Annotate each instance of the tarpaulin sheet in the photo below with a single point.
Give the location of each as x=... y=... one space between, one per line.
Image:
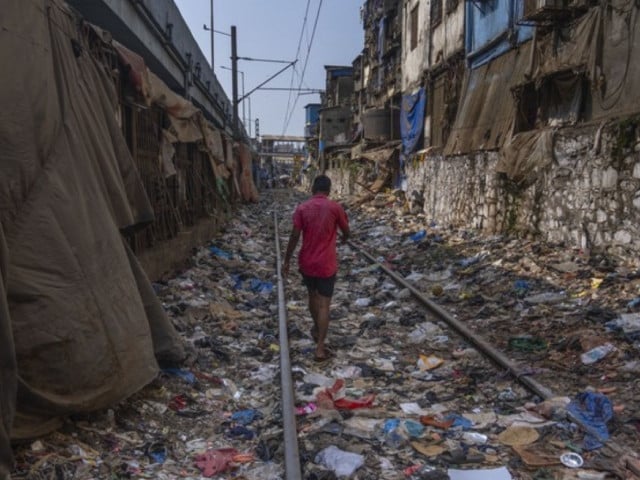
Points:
x=215 y=151
x=184 y=116
x=486 y=113
x=76 y=306
x=137 y=71
x=248 y=189
x=412 y=120
x=525 y=155
x=605 y=42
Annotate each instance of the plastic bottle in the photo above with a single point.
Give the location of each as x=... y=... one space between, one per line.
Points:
x=474 y=438
x=596 y=354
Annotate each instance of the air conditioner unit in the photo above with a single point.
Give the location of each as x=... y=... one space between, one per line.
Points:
x=545 y=11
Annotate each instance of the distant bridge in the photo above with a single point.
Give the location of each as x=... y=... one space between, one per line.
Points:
x=282 y=146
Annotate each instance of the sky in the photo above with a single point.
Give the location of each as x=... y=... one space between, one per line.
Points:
x=273 y=29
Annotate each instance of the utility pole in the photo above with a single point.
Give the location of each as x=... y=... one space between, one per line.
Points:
x=249 y=117
x=244 y=118
x=234 y=79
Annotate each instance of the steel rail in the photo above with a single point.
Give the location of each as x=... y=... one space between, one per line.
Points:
x=463 y=330
x=484 y=347
x=291 y=453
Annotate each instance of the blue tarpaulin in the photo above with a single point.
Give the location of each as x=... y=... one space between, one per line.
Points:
x=412 y=120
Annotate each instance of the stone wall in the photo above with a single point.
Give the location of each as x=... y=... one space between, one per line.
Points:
x=588 y=198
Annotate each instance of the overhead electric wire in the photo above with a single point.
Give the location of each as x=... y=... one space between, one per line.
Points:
x=304 y=68
x=293 y=72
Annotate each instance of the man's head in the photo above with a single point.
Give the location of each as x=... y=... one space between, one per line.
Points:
x=321 y=184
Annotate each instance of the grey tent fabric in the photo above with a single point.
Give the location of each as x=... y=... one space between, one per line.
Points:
x=76 y=305
x=8 y=368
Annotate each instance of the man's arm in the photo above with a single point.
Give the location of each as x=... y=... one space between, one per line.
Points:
x=343 y=224
x=291 y=247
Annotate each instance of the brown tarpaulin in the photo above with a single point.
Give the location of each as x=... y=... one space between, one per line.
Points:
x=525 y=155
x=78 y=308
x=606 y=43
x=487 y=109
x=248 y=189
x=188 y=124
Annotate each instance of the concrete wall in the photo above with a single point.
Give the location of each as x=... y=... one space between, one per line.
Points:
x=448 y=37
x=173 y=254
x=415 y=61
x=589 y=198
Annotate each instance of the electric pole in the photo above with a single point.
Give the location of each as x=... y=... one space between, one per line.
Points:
x=234 y=79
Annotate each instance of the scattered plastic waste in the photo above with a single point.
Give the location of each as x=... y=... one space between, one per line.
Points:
x=594 y=410
x=246 y=417
x=521 y=287
x=571 y=460
x=306 y=409
x=429 y=363
x=418 y=236
x=213 y=462
x=362 y=302
x=474 y=438
x=342 y=463
x=391 y=434
x=596 y=354
x=220 y=253
x=183 y=374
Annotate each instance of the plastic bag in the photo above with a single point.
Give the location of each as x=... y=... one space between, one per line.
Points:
x=342 y=463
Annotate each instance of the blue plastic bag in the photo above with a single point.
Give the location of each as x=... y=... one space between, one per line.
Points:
x=594 y=410
x=416 y=237
x=220 y=253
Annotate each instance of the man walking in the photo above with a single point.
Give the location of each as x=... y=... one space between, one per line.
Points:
x=318 y=220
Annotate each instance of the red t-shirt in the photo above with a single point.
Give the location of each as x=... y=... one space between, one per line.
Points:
x=318 y=219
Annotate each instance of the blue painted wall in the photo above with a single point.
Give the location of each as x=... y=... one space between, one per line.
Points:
x=489 y=27
x=312 y=113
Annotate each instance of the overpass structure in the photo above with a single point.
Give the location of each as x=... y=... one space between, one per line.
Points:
x=156 y=30
x=282 y=146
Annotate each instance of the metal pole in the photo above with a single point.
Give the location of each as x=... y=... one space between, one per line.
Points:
x=212 y=35
x=244 y=118
x=249 y=117
x=234 y=79
x=291 y=453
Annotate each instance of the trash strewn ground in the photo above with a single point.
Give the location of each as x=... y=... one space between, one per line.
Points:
x=404 y=397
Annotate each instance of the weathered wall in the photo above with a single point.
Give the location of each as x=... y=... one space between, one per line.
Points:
x=589 y=198
x=457 y=190
x=448 y=37
x=173 y=254
x=414 y=61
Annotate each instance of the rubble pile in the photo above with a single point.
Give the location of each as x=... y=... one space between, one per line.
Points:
x=404 y=397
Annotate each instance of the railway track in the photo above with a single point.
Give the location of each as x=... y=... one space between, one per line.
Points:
x=498 y=385
x=426 y=381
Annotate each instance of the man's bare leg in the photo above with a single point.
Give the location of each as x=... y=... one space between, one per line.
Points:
x=322 y=322
x=314 y=301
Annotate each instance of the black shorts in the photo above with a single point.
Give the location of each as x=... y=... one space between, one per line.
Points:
x=324 y=286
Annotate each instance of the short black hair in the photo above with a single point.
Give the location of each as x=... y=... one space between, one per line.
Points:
x=322 y=183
